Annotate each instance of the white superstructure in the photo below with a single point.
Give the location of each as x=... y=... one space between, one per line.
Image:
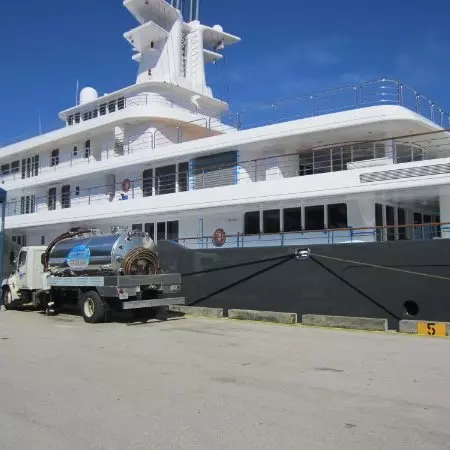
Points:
x=166 y=156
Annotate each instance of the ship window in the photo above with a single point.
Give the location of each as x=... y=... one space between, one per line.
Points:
x=121 y=103
x=305 y=164
x=215 y=170
x=30 y=166
x=77 y=191
x=390 y=222
x=147 y=183
x=337 y=215
x=65 y=196
x=51 y=201
x=87 y=149
x=150 y=229
x=103 y=109
x=87 y=115
x=172 y=231
x=95 y=113
x=27 y=204
x=75 y=151
x=112 y=106
x=15 y=167
x=161 y=231
x=379 y=220
x=315 y=217
x=77 y=118
x=271 y=221
x=5 y=169
x=401 y=220
x=292 y=219
x=252 y=223
x=137 y=226
x=55 y=158
x=183 y=177
x=165 y=180
x=42 y=240
x=70 y=120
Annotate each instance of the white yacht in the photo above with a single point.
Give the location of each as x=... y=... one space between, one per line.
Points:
x=164 y=155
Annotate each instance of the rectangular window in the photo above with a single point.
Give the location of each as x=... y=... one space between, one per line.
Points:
x=137 y=226
x=292 y=218
x=418 y=231
x=165 y=180
x=77 y=191
x=401 y=220
x=121 y=103
x=95 y=113
x=87 y=149
x=147 y=183
x=42 y=240
x=315 y=217
x=252 y=223
x=337 y=215
x=27 y=204
x=103 y=109
x=390 y=222
x=161 y=231
x=5 y=169
x=215 y=170
x=112 y=106
x=54 y=161
x=150 y=230
x=271 y=221
x=75 y=151
x=70 y=120
x=35 y=161
x=51 y=201
x=77 y=118
x=65 y=196
x=183 y=177
x=172 y=231
x=15 y=167
x=87 y=115
x=379 y=221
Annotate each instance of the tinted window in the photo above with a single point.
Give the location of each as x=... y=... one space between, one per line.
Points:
x=251 y=223
x=271 y=221
x=183 y=177
x=337 y=215
x=172 y=230
x=314 y=217
x=390 y=221
x=292 y=219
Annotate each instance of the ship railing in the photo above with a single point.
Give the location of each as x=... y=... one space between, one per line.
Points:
x=371 y=93
x=182 y=177
x=350 y=235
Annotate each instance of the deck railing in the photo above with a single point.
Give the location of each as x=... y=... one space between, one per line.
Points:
x=348 y=156
x=371 y=93
x=417 y=231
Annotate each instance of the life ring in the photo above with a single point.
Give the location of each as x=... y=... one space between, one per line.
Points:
x=219 y=237
x=126 y=185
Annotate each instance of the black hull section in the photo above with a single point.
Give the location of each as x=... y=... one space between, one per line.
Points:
x=414 y=273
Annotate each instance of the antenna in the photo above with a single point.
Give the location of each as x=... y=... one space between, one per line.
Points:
x=39 y=122
x=76 y=93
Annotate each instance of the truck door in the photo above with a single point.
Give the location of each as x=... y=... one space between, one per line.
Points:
x=22 y=269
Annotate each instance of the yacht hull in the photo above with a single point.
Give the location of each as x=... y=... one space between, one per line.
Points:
x=394 y=280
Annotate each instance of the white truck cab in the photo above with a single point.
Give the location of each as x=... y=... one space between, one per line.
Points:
x=26 y=280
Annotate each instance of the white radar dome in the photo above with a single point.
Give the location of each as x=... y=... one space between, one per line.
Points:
x=218 y=28
x=87 y=95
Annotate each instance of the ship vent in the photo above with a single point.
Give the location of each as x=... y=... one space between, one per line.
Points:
x=404 y=173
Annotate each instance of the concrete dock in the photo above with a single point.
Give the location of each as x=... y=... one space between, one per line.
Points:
x=192 y=383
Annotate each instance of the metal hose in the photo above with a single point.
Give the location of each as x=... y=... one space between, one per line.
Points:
x=141 y=261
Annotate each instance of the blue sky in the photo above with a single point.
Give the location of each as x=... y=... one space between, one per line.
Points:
x=288 y=48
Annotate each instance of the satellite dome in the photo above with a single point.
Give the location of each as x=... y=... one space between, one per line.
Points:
x=218 y=28
x=88 y=94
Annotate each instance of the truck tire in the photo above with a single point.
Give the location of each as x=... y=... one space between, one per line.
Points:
x=7 y=300
x=93 y=308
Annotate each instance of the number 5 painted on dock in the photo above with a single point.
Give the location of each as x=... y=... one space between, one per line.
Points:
x=431 y=329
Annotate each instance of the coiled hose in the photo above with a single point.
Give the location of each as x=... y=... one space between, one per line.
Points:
x=141 y=261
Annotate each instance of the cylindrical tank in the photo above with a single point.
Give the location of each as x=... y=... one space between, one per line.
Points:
x=126 y=253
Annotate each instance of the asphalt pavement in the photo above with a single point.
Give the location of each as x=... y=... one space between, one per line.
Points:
x=193 y=383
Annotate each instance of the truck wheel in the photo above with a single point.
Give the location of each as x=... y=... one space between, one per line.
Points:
x=7 y=299
x=93 y=308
